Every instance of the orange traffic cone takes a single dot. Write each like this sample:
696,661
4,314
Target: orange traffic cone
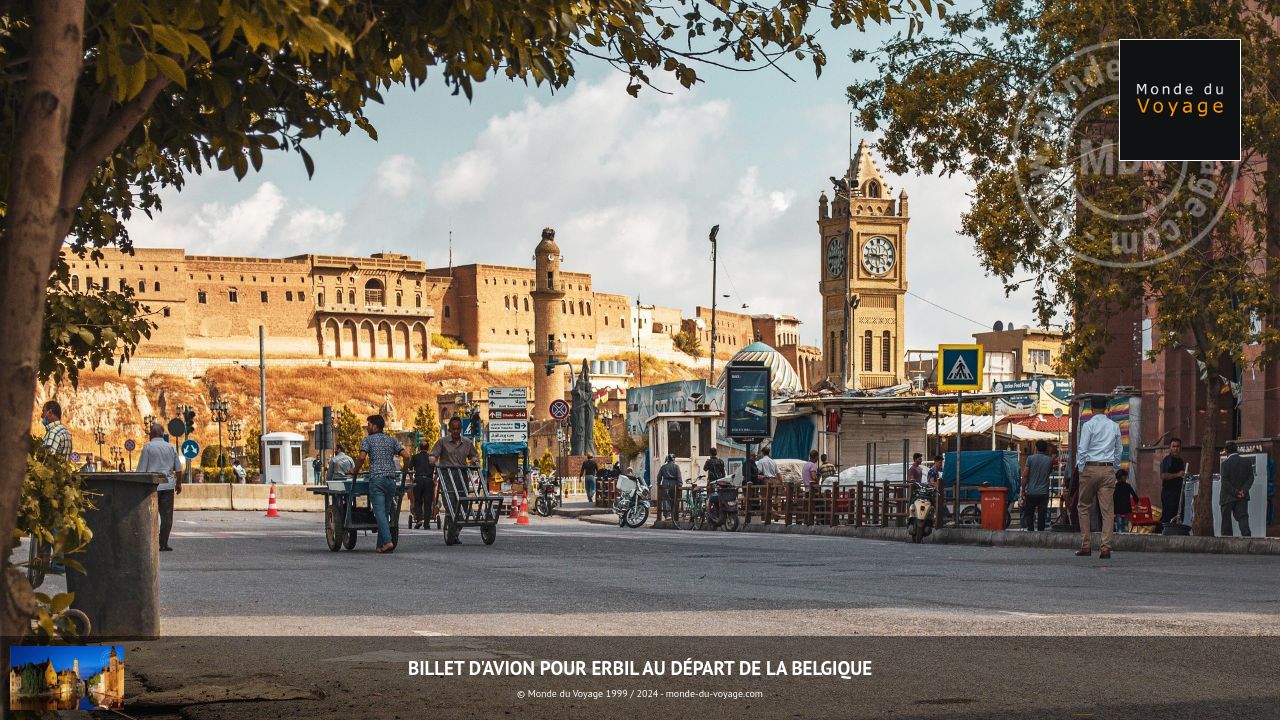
514,512
271,503
524,510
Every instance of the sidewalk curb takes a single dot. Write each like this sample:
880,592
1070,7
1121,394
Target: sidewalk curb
581,513
1121,542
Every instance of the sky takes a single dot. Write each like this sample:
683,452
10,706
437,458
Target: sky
92,657
632,187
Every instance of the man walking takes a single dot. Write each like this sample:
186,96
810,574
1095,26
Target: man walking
1173,471
1233,495
424,487
669,480
1097,460
589,472
57,438
158,456
381,450
454,449
1035,488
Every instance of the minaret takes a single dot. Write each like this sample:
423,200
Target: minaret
547,294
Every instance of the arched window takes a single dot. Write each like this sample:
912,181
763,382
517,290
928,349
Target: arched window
580,308
142,286
506,302
351,297
320,298
588,309
417,300
526,304
398,298
75,283
571,309
873,189
564,307
886,353
373,292
155,286
446,311
866,351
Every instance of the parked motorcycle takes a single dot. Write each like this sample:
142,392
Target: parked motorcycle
549,496
632,505
921,514
722,505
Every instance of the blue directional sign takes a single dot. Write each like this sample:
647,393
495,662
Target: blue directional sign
960,367
191,449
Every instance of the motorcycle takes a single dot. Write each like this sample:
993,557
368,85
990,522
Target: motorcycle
548,496
632,505
722,505
921,514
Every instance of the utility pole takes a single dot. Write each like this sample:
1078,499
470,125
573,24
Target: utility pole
715,230
262,401
635,325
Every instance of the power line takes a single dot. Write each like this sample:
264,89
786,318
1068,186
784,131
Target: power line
944,309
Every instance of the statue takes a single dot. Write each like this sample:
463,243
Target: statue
388,410
582,416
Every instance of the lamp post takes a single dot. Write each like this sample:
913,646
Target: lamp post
219,410
234,433
147,422
100,435
635,325
117,456
715,230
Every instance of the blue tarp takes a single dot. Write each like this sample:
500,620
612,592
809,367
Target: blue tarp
792,439
504,448
997,468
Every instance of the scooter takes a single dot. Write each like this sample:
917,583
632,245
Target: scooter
632,505
722,505
548,496
920,515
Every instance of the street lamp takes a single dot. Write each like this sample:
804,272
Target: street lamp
219,410
117,456
100,435
147,422
234,433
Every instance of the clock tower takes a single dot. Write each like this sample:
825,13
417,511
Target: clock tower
863,233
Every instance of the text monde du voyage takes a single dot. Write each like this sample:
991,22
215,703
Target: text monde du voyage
1181,99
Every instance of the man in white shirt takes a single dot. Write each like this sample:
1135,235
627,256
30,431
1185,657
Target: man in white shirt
767,467
1098,451
158,456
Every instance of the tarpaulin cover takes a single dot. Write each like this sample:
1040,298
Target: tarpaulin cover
997,468
504,448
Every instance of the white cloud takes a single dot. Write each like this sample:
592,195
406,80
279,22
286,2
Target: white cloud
396,176
311,227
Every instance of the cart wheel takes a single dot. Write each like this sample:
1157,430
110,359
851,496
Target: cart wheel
395,533
349,542
450,534
333,527
488,533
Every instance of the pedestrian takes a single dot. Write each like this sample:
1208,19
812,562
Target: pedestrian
1233,494
453,449
381,451
1035,488
825,469
809,474
589,472
158,456
1173,472
935,473
670,480
238,469
340,465
1125,500
57,438
1097,458
915,473
424,488
750,471
713,467
767,466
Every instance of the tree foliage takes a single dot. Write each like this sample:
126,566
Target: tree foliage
603,442
687,342
348,430
972,99
88,329
425,422
546,463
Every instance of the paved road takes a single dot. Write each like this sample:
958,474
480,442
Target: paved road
237,574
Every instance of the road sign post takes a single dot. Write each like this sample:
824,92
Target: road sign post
960,369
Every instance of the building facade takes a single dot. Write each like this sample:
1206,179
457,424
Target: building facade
1035,352
863,234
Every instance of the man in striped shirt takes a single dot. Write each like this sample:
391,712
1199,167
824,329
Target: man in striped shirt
57,437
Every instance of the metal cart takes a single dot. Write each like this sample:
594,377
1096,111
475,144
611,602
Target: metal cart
467,503
345,515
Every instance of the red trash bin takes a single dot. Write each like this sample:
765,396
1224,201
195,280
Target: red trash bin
993,505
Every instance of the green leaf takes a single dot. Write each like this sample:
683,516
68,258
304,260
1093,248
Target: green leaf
307,161
172,40
171,69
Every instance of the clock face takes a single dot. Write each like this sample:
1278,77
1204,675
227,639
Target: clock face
877,255
835,257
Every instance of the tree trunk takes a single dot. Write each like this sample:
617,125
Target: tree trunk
30,243
1202,524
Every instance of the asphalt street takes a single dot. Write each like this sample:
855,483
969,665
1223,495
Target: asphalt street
241,574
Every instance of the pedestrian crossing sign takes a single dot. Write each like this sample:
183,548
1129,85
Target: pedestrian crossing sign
960,367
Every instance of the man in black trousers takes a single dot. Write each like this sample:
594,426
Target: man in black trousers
424,486
1233,495
1173,470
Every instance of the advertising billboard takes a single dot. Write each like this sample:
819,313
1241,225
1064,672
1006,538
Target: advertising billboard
748,407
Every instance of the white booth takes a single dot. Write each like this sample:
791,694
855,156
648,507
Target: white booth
284,458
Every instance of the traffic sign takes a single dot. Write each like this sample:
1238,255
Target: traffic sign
511,437
130,445
190,449
509,426
500,403
960,367
509,392
521,414
560,435
75,457
559,409
177,427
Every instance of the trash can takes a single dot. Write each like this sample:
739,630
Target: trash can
120,587
993,507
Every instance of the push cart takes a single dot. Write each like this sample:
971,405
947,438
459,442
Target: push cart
347,510
467,503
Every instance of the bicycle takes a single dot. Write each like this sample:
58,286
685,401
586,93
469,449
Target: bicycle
693,507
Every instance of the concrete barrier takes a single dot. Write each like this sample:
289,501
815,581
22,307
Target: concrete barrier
224,496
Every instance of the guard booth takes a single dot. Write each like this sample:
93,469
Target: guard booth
284,458
687,435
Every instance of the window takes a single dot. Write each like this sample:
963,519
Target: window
155,286
165,311
886,353
526,304
273,456
506,302
417,300
398,296
295,454
678,438
320,298
351,297
288,295
75,283
580,308
564,307
1038,357
202,298
106,283
373,294
704,436
588,309
263,295
301,296
551,343
550,275
446,311
142,286
866,352
233,296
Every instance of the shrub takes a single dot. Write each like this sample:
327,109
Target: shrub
446,342
688,343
